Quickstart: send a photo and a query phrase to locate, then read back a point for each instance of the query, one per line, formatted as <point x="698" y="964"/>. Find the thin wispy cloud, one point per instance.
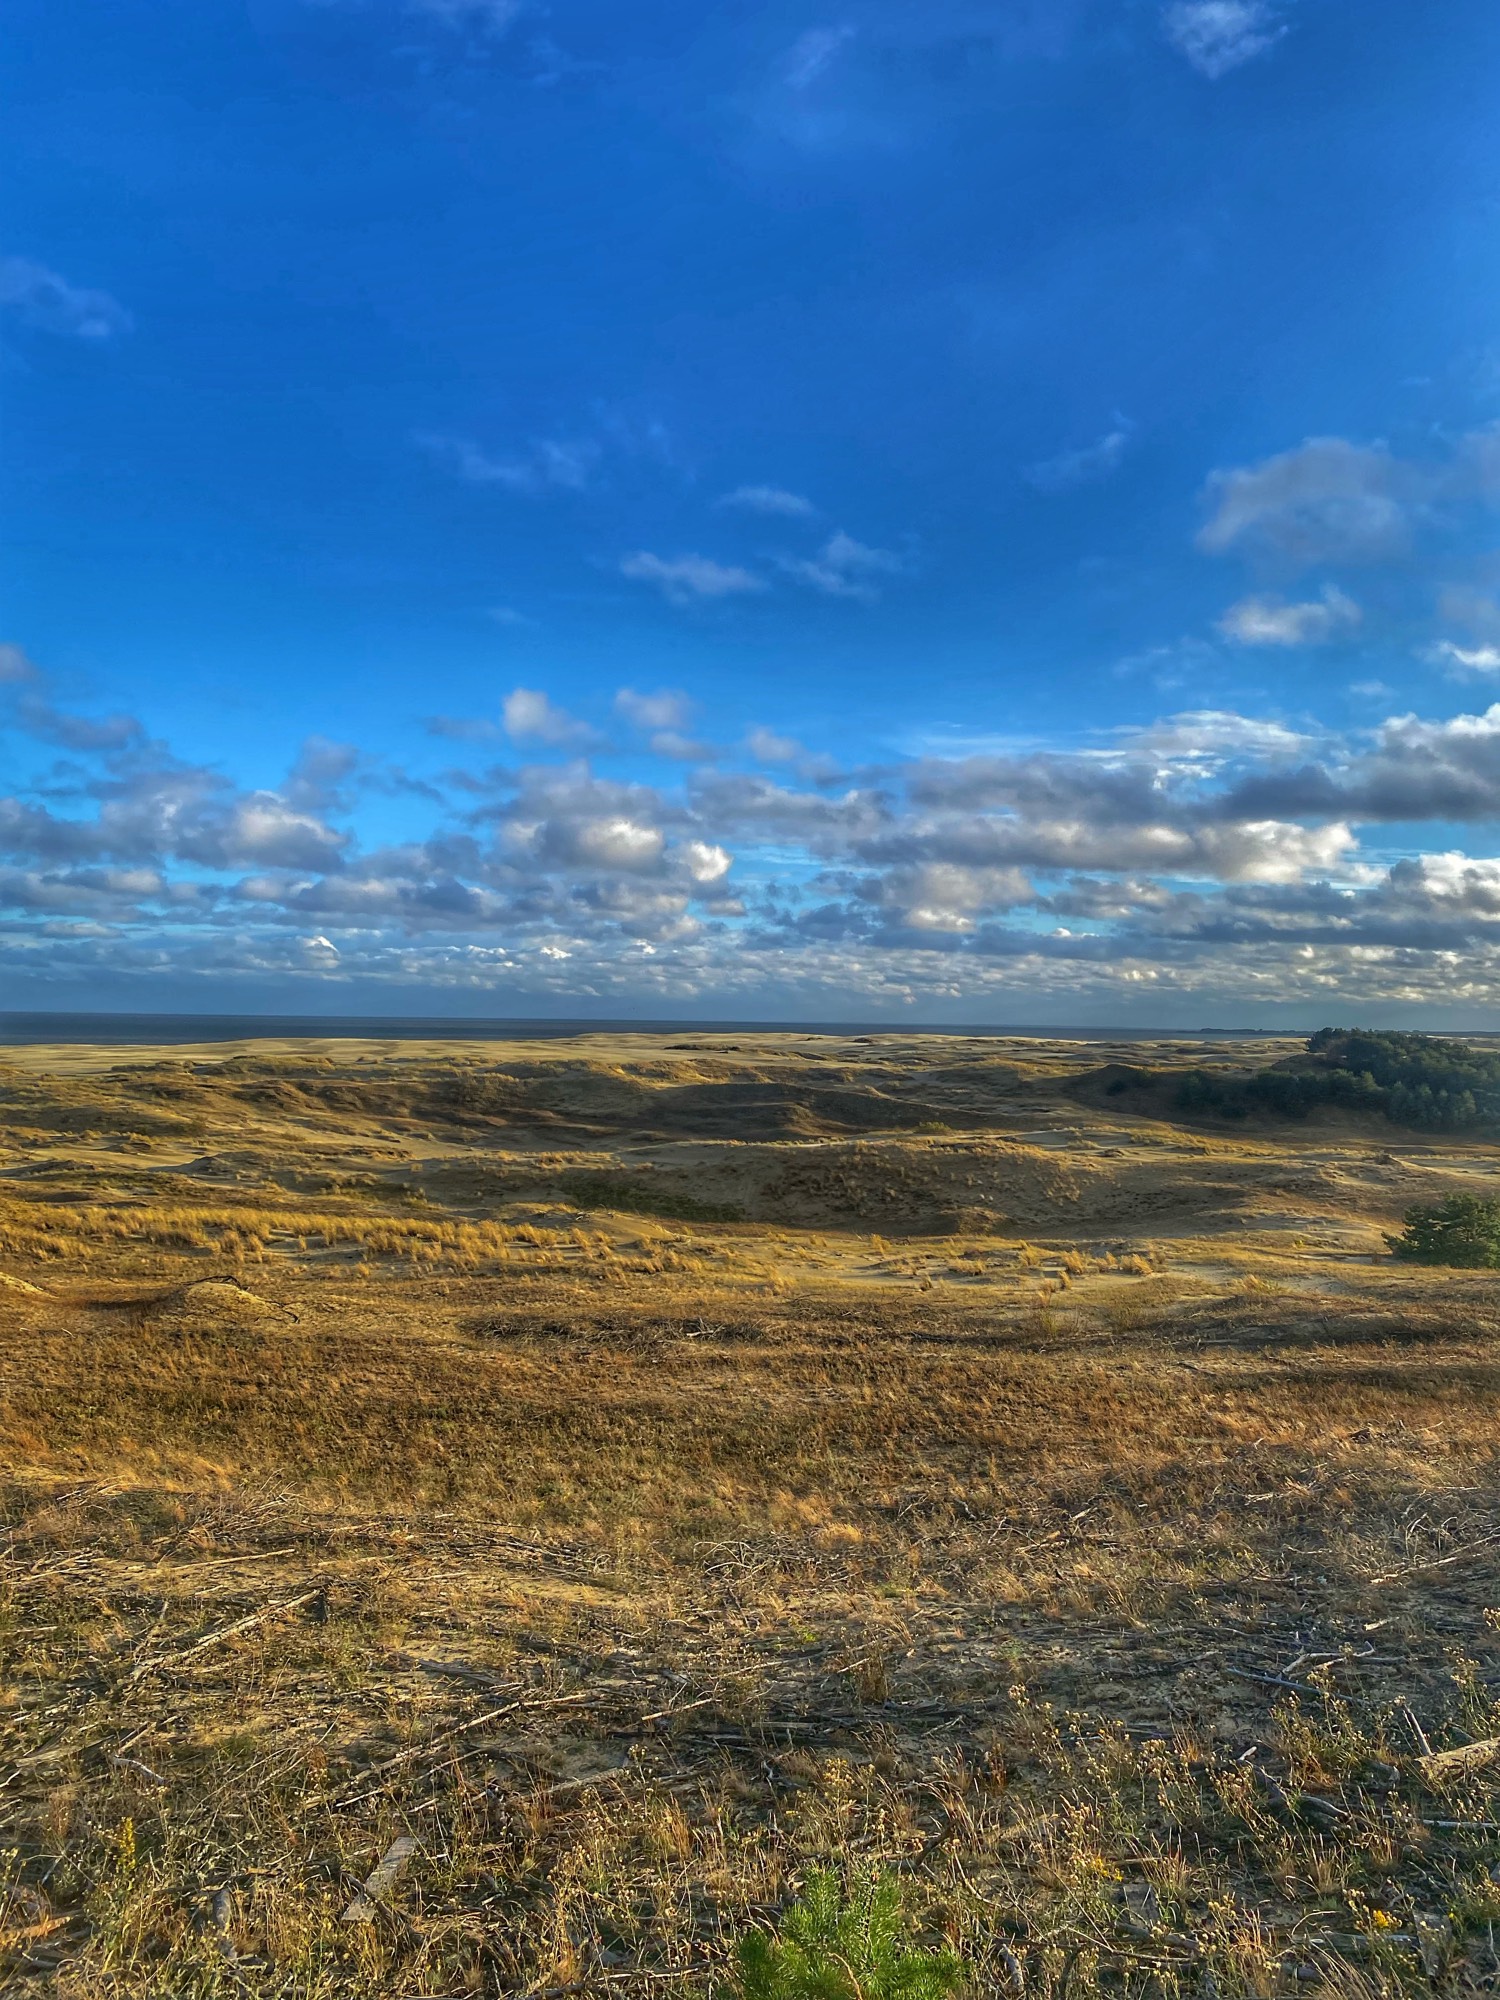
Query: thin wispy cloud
<point x="1473" y="607"/>
<point x="668" y="708"/>
<point x="843" y="567"/>
<point x="813" y="52"/>
<point x="1086" y="465"/>
<point x="39" y="298"/>
<point x="768" y="746"/>
<point x="691" y="579"/>
<point x="1218" y="36"/>
<point x="665" y="719"/>
<point x="547" y="465"/>
<point x="771" y="500"/>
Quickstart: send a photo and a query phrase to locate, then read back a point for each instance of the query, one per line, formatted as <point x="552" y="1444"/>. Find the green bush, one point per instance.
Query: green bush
<point x="834" y="1946"/>
<point x="1463" y="1230"/>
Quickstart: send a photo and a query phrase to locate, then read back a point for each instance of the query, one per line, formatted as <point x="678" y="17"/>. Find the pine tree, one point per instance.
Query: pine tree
<point x="834" y="1946"/>
<point x="1464" y="1231"/>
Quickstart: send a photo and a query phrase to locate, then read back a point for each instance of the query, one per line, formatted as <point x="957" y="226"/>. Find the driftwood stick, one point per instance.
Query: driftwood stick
<point x="1460" y="1762"/>
<point x="386" y="1873"/>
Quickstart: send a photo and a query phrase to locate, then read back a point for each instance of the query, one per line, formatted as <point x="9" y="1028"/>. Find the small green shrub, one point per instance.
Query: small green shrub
<point x="1464" y="1230"/>
<point x="837" y="1946"/>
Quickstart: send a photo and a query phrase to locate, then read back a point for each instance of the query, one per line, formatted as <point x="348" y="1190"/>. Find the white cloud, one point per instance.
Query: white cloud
<point x="666" y="709"/>
<point x="1270" y="621"/>
<point x="547" y="464"/>
<point x="770" y="500"/>
<point x="1271" y="850"/>
<point x="41" y="299"/>
<point x="687" y="579"/>
<point x="1210" y="853"/>
<point x="1463" y="662"/>
<point x="1217" y="36"/>
<point x="14" y="666"/>
<point x="682" y="749"/>
<point x="530" y="716"/>
<point x="609" y="843"/>
<point x="769" y="748"/>
<point x="1326" y="501"/>
<point x="1462" y="878"/>
<point x="665" y="715"/>
<point x="705" y="861"/>
<point x="1085" y="466"/>
<point x="1204" y="739"/>
<point x="843" y="567"/>
<point x="488" y="17"/>
<point x="812" y="53"/>
<point x="946" y="896"/>
<point x="264" y="830"/>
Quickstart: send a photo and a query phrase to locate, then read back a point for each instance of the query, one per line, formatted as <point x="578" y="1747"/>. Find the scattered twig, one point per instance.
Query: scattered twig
<point x="167" y="1660"/>
<point x="1439" y="1562"/>
<point x="415" y="1751"/>
<point x="1417" y="1730"/>
<point x="1271" y="1680"/>
<point x="140" y="1770"/>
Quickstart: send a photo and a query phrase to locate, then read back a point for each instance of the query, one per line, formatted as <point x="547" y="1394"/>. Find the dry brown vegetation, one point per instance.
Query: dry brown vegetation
<point x="635" y="1474"/>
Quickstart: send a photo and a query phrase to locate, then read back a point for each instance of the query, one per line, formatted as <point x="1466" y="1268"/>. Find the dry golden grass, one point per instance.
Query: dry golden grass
<point x="1107" y="1583"/>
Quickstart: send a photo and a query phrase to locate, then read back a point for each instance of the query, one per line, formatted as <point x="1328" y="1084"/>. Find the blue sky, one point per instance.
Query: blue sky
<point x="780" y="510"/>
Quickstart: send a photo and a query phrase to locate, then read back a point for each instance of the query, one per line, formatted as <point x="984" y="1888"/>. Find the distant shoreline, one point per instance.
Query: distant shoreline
<point x="27" y="1029"/>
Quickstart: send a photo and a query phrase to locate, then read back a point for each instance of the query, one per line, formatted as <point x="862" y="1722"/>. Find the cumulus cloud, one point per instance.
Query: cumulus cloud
<point x="1217" y="36"/>
<point x="1414" y="770"/>
<point x="40" y="299"/>
<point x="533" y="717"/>
<point x="1271" y="621"/>
<point x="704" y="861"/>
<point x="1209" y="852"/>
<point x="773" y="500"/>
<point x="690" y="579"/>
<point x="615" y="843"/>
<point x="319" y="779"/>
<point x="1327" y="501"/>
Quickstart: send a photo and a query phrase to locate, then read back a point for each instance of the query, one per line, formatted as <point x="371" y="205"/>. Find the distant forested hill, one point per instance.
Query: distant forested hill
<point x="1417" y="1080"/>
